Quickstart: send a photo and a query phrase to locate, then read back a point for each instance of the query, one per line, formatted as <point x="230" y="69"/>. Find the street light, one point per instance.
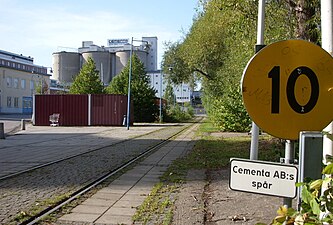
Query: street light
<point x="129" y="81"/>
<point x="161" y="89"/>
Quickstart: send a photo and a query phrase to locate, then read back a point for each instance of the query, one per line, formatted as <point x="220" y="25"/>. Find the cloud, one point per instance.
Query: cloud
<point x="40" y="31"/>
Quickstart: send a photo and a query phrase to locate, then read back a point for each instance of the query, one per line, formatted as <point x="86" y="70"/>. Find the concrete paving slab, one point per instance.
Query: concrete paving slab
<point x="107" y="196"/>
<point x="117" y="189"/>
<point x="120" y="212"/>
<point x="98" y="202"/>
<point x="80" y="217"/>
<point x="90" y="209"/>
<point x="134" y="197"/>
<point x="114" y="220"/>
<point x="133" y="187"/>
<point x="126" y="182"/>
<point x="140" y="191"/>
<point x="134" y="203"/>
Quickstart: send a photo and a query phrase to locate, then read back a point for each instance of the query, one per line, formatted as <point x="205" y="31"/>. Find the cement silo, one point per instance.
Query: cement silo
<point x="122" y="58"/>
<point x="143" y="55"/>
<point x="66" y="65"/>
<point x="102" y="61"/>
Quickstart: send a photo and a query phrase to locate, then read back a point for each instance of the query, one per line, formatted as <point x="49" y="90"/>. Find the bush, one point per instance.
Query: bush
<point x="176" y="114"/>
<point x="317" y="204"/>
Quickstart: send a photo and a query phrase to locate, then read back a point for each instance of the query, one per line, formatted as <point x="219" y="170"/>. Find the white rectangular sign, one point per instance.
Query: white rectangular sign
<point x="262" y="177"/>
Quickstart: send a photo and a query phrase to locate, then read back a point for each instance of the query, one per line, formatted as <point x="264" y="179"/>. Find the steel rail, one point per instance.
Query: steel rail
<point x="85" y="189"/>
<point x="72" y="156"/>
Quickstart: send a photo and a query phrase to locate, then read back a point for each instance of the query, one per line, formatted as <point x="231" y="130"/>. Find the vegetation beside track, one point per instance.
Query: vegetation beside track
<point x="212" y="151"/>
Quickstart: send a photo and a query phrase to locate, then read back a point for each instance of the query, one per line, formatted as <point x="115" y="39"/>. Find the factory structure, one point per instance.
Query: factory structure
<point x="21" y="79"/>
<point x="110" y="61"/>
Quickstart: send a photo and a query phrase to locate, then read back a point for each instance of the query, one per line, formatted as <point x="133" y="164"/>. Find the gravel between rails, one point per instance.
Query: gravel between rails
<point x="20" y="193"/>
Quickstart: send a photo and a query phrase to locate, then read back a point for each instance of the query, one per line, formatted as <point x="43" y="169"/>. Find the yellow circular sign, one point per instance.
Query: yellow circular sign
<point x="288" y="88"/>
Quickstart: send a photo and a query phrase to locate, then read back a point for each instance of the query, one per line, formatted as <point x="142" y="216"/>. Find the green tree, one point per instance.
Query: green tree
<point x="142" y="95"/>
<point x="88" y="80"/>
<point x="307" y="13"/>
<point x="218" y="47"/>
<point x="169" y="95"/>
<point x="42" y="87"/>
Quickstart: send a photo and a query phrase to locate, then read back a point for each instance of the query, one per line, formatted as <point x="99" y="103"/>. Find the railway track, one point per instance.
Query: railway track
<point x="82" y="173"/>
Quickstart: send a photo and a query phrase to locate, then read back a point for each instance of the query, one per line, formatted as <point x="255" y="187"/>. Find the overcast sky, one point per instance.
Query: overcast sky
<point x="37" y="28"/>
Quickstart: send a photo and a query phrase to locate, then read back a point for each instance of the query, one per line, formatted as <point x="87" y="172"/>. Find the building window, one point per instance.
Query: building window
<point x="9" y="101"/>
<point x="15" y="83"/>
<point x="27" y="103"/>
<point x="9" y="81"/>
<point x="32" y="85"/>
<point x="23" y="84"/>
<point x="16" y="102"/>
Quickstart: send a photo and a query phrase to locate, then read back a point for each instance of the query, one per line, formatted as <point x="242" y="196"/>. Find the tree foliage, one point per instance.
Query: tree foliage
<point x="88" y="80"/>
<point x="169" y="95"/>
<point x="142" y="95"/>
<point x="221" y="42"/>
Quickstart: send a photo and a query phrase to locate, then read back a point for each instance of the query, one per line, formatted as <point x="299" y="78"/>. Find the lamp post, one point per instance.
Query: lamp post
<point x="129" y="82"/>
<point x="161" y="89"/>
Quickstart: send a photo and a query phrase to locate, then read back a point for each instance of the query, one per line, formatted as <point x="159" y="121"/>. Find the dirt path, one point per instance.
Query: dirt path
<point x="206" y="199"/>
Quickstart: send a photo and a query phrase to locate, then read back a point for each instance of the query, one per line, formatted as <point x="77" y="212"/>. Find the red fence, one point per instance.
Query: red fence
<point x="81" y="110"/>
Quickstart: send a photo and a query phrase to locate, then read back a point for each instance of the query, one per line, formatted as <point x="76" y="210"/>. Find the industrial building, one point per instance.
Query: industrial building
<point x="110" y="61"/>
<point x="19" y="81"/>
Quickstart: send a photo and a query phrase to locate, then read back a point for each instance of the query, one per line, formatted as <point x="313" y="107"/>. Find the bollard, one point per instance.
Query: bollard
<point x="22" y="124"/>
<point x="2" y="131"/>
<point x="124" y="121"/>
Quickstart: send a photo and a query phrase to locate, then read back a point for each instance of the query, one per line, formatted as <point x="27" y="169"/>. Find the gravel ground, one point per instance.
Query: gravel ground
<point x="19" y="194"/>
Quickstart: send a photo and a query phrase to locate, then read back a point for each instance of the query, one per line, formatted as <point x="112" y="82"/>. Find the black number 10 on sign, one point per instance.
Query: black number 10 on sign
<point x="287" y="87"/>
<point x="275" y="75"/>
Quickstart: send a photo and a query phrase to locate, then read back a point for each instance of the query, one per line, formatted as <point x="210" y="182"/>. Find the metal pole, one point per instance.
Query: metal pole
<point x="327" y="42"/>
<point x="161" y="87"/>
<point x="89" y="110"/>
<point x="260" y="42"/>
<point x="102" y="74"/>
<point x="129" y="88"/>
<point x="289" y="159"/>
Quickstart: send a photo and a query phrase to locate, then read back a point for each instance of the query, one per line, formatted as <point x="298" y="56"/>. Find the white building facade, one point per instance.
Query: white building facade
<point x="159" y="81"/>
<point x="19" y="78"/>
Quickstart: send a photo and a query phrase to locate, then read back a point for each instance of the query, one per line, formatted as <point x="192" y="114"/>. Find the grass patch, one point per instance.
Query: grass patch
<point x="158" y="206"/>
<point x="37" y="208"/>
<point x="209" y="153"/>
